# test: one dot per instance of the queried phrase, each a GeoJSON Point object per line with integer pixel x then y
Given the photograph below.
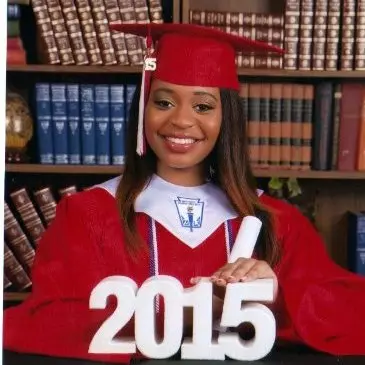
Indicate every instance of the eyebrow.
{"type": "Point", "coordinates": [170, 91]}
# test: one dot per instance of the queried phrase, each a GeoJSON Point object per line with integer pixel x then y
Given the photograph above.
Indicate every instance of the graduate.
{"type": "Point", "coordinates": [176, 210]}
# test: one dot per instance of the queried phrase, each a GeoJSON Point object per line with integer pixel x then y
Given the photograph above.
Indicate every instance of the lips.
{"type": "Point", "coordinates": [180, 144]}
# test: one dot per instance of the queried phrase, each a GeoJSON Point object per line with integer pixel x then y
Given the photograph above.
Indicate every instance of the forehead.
{"type": "Point", "coordinates": [157, 84]}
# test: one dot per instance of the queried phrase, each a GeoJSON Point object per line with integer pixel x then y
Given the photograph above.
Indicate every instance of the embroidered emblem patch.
{"type": "Point", "coordinates": [190, 212]}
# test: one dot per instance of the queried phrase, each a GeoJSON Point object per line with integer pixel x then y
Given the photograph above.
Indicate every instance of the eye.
{"type": "Point", "coordinates": [163, 104]}
{"type": "Point", "coordinates": [203, 108]}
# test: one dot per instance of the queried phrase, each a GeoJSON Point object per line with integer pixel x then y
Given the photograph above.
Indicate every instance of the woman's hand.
{"type": "Point", "coordinates": [242, 270]}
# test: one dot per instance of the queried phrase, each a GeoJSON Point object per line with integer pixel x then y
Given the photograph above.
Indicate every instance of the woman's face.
{"type": "Point", "coordinates": [182, 123]}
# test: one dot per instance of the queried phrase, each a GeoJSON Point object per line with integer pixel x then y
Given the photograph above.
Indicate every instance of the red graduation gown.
{"type": "Point", "coordinates": [319, 304]}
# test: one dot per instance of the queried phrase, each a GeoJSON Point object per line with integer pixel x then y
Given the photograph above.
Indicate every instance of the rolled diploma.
{"type": "Point", "coordinates": [246, 238]}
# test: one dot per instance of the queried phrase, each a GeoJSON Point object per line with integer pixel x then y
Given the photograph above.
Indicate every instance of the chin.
{"type": "Point", "coordinates": [178, 163]}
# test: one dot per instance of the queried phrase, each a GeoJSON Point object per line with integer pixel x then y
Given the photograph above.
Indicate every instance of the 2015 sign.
{"type": "Point", "coordinates": [141, 302]}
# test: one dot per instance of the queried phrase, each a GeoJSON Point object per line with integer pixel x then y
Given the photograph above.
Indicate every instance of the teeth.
{"type": "Point", "coordinates": [181, 140]}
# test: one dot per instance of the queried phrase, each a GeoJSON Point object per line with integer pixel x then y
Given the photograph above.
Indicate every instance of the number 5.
{"type": "Point", "coordinates": [262, 319]}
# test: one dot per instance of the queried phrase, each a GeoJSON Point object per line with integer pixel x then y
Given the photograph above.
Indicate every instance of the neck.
{"type": "Point", "coordinates": [193, 176]}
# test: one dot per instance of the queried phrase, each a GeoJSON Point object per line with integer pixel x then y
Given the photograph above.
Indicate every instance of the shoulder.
{"type": "Point", "coordinates": [287, 217]}
{"type": "Point", "coordinates": [95, 201]}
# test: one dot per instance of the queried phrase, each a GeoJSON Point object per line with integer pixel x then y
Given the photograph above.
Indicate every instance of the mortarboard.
{"type": "Point", "coordinates": [189, 54]}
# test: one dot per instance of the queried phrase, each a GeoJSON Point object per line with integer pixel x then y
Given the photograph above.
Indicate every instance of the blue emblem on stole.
{"type": "Point", "coordinates": [190, 212]}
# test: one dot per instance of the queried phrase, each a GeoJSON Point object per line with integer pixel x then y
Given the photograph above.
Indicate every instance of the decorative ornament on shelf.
{"type": "Point", "coordinates": [19, 128]}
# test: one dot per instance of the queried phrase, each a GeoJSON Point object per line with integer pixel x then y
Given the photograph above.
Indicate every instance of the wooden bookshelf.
{"type": "Point", "coordinates": [15, 297]}
{"type": "Point", "coordinates": [115, 170]}
{"type": "Point", "coordinates": [136, 69]}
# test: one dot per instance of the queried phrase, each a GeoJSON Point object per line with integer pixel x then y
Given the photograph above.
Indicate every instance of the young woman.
{"type": "Point", "coordinates": [176, 210]}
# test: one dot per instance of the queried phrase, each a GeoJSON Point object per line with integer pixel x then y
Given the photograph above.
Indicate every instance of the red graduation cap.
{"type": "Point", "coordinates": [193, 55]}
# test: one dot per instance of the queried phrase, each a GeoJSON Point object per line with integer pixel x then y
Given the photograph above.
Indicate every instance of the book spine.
{"type": "Point", "coordinates": [134, 46]}
{"type": "Point", "coordinates": [348, 35]}
{"type": "Point", "coordinates": [69, 190]}
{"type": "Point", "coordinates": [275, 124]}
{"type": "Point", "coordinates": [360, 36]}
{"type": "Point", "coordinates": [73, 113]}
{"type": "Point", "coordinates": [46, 204]}
{"type": "Point", "coordinates": [319, 35]}
{"type": "Point", "coordinates": [155, 8]}
{"type": "Point", "coordinates": [88, 148]}
{"type": "Point", "coordinates": [44, 123]}
{"type": "Point", "coordinates": [13, 11]}
{"type": "Point", "coordinates": [130, 90]}
{"type": "Point", "coordinates": [142, 17]}
{"type": "Point", "coordinates": [306, 34]}
{"type": "Point", "coordinates": [102, 32]}
{"type": "Point", "coordinates": [356, 243]}
{"type": "Point", "coordinates": [291, 34]}
{"type": "Point", "coordinates": [45, 29]}
{"type": "Point", "coordinates": [336, 124]}
{"type": "Point", "coordinates": [59, 121]}
{"type": "Point", "coordinates": [120, 48]}
{"type": "Point", "coordinates": [286, 125]}
{"type": "Point", "coordinates": [360, 156]}
{"type": "Point", "coordinates": [17, 240]}
{"type": "Point", "coordinates": [14, 270]}
{"type": "Point", "coordinates": [88, 31]}
{"type": "Point", "coordinates": [323, 108]}
{"type": "Point", "coordinates": [7, 283]}
{"type": "Point", "coordinates": [74, 31]}
{"type": "Point", "coordinates": [117, 127]}
{"type": "Point", "coordinates": [102, 121]}
{"type": "Point", "coordinates": [254, 94]}
{"type": "Point", "coordinates": [60, 32]}
{"type": "Point", "coordinates": [264, 135]}
{"type": "Point", "coordinates": [296, 127]}
{"type": "Point", "coordinates": [333, 35]}
{"type": "Point", "coordinates": [351, 104]}
{"type": "Point", "coordinates": [28, 214]}
{"type": "Point", "coordinates": [243, 93]}
{"type": "Point", "coordinates": [307, 127]}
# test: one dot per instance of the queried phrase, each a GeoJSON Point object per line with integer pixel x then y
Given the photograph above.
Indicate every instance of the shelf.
{"type": "Point", "coordinates": [116, 170]}
{"type": "Point", "coordinates": [74, 69]}
{"type": "Point", "coordinates": [138, 69]}
{"type": "Point", "coordinates": [15, 297]}
{"type": "Point", "coordinates": [63, 169]}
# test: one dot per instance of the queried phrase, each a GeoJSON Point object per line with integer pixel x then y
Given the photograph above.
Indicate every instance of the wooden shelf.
{"type": "Point", "coordinates": [115, 170]}
{"type": "Point", "coordinates": [63, 169]}
{"type": "Point", "coordinates": [137, 69]}
{"type": "Point", "coordinates": [15, 297]}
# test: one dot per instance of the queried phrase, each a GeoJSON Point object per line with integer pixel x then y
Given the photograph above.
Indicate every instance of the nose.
{"type": "Point", "coordinates": [182, 118]}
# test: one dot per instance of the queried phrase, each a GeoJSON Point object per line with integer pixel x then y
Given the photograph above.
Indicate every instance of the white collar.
{"type": "Point", "coordinates": [191, 214]}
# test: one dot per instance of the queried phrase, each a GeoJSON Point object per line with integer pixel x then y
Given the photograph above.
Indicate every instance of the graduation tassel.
{"type": "Point", "coordinates": [149, 65]}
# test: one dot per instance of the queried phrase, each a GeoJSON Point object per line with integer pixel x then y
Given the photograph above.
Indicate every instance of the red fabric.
{"type": "Point", "coordinates": [190, 54]}
{"type": "Point", "coordinates": [319, 304]}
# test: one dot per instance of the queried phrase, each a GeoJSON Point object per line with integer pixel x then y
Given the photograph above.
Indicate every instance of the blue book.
{"type": "Point", "coordinates": [13, 11]}
{"type": "Point", "coordinates": [130, 90]}
{"type": "Point", "coordinates": [102, 120]}
{"type": "Point", "coordinates": [117, 126]}
{"type": "Point", "coordinates": [44, 123]}
{"type": "Point", "coordinates": [59, 122]}
{"type": "Point", "coordinates": [73, 112]}
{"type": "Point", "coordinates": [88, 148]}
{"type": "Point", "coordinates": [356, 242]}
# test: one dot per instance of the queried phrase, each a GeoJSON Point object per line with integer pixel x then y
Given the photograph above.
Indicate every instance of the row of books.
{"type": "Point", "coordinates": [316, 34]}
{"type": "Point", "coordinates": [15, 51]}
{"type": "Point", "coordinates": [304, 126]}
{"type": "Point", "coordinates": [77, 31]}
{"type": "Point", "coordinates": [26, 217]}
{"type": "Point", "coordinates": [82, 123]}
{"type": "Point", "coordinates": [263, 27]}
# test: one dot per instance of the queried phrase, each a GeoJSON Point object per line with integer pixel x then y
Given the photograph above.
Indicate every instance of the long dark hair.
{"type": "Point", "coordinates": [229, 162]}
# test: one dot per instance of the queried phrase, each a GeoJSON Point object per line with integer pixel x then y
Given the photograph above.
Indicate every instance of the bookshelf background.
{"type": "Point", "coordinates": [333, 192]}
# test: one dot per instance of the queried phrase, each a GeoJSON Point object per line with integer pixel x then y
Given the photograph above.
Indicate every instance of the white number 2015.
{"type": "Point", "coordinates": [142, 303]}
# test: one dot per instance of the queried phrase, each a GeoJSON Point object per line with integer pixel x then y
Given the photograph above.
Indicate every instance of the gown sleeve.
{"type": "Point", "coordinates": [324, 302]}
{"type": "Point", "coordinates": [55, 319]}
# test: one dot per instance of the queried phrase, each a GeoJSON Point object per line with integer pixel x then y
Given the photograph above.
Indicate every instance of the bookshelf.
{"type": "Point", "coordinates": [333, 192]}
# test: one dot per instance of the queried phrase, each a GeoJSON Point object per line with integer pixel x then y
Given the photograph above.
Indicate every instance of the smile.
{"type": "Point", "coordinates": [181, 141]}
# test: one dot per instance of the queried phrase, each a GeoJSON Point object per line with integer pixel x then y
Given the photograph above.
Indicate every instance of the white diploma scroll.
{"type": "Point", "coordinates": [246, 238]}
